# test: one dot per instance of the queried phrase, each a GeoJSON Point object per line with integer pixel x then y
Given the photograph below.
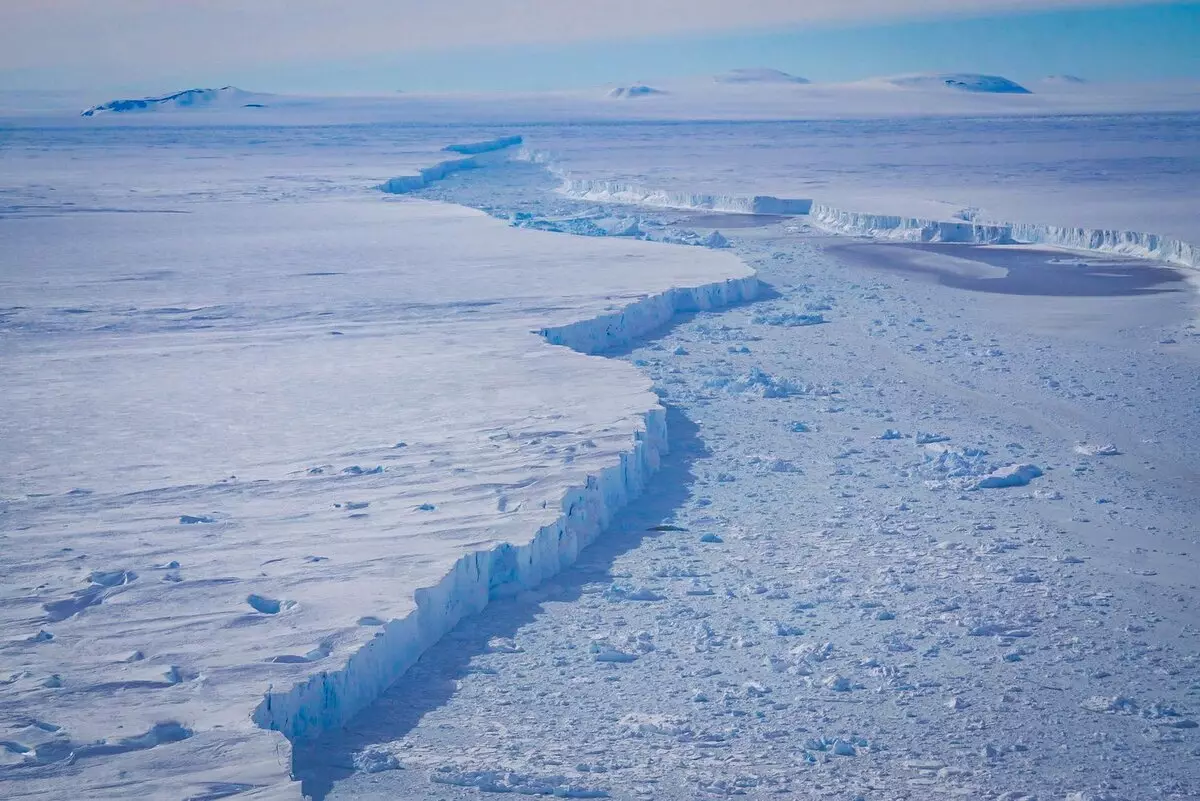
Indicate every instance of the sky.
{"type": "Point", "coordinates": [146, 46]}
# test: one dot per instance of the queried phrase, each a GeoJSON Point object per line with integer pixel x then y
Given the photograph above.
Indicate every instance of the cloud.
{"type": "Point", "coordinates": [124, 38]}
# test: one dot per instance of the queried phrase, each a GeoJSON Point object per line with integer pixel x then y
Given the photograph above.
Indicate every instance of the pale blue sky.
{"type": "Point", "coordinates": [1148, 42]}
{"type": "Point", "coordinates": [140, 46]}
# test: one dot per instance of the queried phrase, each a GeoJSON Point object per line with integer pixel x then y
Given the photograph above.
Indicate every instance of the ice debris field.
{"type": "Point", "coordinates": [645, 457]}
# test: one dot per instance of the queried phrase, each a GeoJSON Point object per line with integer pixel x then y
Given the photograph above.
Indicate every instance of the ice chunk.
{"type": "Point", "coordinates": [1014, 475]}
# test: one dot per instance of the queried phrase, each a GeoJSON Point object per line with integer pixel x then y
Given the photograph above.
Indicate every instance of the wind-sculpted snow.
{"type": "Point", "coordinates": [332, 697]}
{"type": "Point", "coordinates": [916, 229]}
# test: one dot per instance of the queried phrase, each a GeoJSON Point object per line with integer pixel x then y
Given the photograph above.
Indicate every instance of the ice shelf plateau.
{"type": "Point", "coordinates": [318, 383]}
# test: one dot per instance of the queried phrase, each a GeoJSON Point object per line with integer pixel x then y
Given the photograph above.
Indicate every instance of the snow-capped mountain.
{"type": "Point", "coordinates": [961, 81]}
{"type": "Point", "coordinates": [635, 90]}
{"type": "Point", "coordinates": [758, 75]}
{"type": "Point", "coordinates": [225, 97]}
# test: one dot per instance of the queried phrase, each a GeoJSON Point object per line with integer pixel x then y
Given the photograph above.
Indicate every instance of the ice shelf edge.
{"type": "Point", "coordinates": [332, 697]}
{"type": "Point", "coordinates": [477, 154]}
{"type": "Point", "coordinates": [1096, 240]}
{"type": "Point", "coordinates": [831, 218]}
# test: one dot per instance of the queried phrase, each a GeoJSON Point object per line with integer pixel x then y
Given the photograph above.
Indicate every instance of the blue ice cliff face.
{"type": "Point", "coordinates": [331, 698]}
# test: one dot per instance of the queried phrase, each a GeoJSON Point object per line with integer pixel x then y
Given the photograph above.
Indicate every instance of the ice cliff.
{"type": "Point", "coordinates": [915, 229]}
{"type": "Point", "coordinates": [487, 146]}
{"type": "Point", "coordinates": [618, 192]}
{"type": "Point", "coordinates": [881, 226]}
{"type": "Point", "coordinates": [960, 81]}
{"type": "Point", "coordinates": [330, 698]}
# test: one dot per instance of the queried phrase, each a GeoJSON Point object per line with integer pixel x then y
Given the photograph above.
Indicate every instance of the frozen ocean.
{"type": "Point", "coordinates": [652, 445]}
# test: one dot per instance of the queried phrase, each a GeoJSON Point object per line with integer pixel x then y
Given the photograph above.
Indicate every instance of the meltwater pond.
{"type": "Point", "coordinates": [1018, 270]}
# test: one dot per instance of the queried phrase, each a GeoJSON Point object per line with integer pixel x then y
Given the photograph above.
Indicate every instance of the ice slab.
{"type": "Point", "coordinates": [753, 94]}
{"type": "Point", "coordinates": [257, 456]}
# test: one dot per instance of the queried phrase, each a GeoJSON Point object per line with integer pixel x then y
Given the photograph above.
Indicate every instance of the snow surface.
{"type": "Point", "coordinates": [271, 433]}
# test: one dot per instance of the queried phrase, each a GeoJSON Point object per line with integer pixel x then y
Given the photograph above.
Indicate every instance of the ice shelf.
{"type": "Point", "coordinates": [292, 461]}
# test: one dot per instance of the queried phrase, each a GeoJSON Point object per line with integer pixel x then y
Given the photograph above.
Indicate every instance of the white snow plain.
{"type": "Point", "coordinates": [272, 426]}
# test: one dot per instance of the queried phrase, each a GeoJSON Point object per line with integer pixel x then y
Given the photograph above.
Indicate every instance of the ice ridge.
{"type": "Point", "coordinates": [473, 148]}
{"type": "Point", "coordinates": [478, 154]}
{"type": "Point", "coordinates": [330, 698]}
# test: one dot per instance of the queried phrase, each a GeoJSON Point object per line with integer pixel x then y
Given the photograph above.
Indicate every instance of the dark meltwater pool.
{"type": "Point", "coordinates": [1012, 270]}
